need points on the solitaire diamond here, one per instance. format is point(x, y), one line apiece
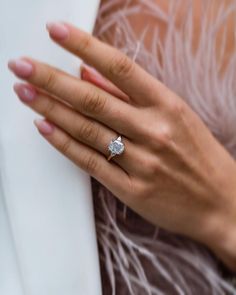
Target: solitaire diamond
point(116, 147)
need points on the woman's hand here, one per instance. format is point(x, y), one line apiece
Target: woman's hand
point(173, 172)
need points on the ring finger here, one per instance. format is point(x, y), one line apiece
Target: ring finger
point(80, 127)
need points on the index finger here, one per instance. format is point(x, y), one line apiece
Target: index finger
point(109, 61)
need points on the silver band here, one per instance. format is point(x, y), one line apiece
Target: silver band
point(116, 147)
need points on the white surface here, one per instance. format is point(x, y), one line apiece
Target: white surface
point(48, 244)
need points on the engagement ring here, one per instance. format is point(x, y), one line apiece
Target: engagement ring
point(116, 147)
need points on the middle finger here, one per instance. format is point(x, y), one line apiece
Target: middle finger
point(81, 128)
point(83, 96)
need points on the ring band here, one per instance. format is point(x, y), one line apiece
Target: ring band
point(116, 147)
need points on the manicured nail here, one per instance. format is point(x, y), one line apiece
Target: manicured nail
point(25, 92)
point(88, 69)
point(44, 127)
point(88, 72)
point(20, 67)
point(57, 30)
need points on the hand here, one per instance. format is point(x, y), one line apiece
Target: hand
point(173, 172)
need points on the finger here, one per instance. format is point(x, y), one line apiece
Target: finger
point(87, 131)
point(91, 75)
point(83, 96)
point(110, 62)
point(108, 173)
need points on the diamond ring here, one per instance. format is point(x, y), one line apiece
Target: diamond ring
point(116, 147)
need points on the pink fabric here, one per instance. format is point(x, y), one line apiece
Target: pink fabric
point(137, 258)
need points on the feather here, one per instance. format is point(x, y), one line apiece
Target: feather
point(136, 257)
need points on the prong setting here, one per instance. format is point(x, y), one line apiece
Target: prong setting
point(116, 147)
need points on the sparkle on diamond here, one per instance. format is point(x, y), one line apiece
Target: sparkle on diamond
point(116, 147)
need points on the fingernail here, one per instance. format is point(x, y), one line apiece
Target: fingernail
point(84, 73)
point(57, 30)
point(88, 72)
point(20, 67)
point(44, 126)
point(25, 92)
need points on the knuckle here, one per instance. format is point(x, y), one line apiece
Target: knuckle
point(49, 108)
point(177, 109)
point(160, 137)
point(164, 138)
point(152, 167)
point(50, 80)
point(89, 131)
point(91, 164)
point(121, 66)
point(141, 192)
point(93, 103)
point(85, 43)
point(65, 146)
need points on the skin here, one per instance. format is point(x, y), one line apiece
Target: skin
point(200, 8)
point(173, 171)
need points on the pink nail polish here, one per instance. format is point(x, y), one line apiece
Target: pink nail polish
point(21, 68)
point(57, 30)
point(25, 92)
point(44, 127)
point(90, 74)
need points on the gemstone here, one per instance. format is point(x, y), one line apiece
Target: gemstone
point(116, 147)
